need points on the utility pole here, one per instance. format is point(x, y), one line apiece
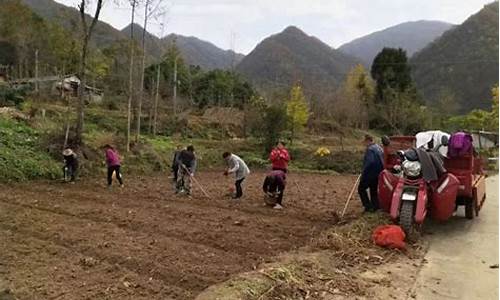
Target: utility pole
point(155, 113)
point(175, 85)
point(36, 71)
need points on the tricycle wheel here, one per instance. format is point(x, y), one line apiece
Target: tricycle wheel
point(406, 216)
point(469, 209)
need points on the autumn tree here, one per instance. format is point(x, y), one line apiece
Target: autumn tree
point(355, 99)
point(297, 111)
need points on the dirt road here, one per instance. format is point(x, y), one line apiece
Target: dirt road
point(62, 241)
point(461, 256)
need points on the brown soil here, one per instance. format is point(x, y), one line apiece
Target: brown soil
point(82, 241)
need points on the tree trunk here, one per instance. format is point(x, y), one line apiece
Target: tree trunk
point(155, 114)
point(80, 111)
point(131, 76)
point(141, 93)
point(86, 34)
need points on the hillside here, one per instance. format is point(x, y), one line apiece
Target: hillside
point(69, 18)
point(195, 51)
point(293, 56)
point(202, 53)
point(153, 43)
point(464, 62)
point(411, 36)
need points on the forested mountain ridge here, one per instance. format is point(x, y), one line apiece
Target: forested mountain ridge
point(292, 56)
point(69, 18)
point(195, 51)
point(410, 36)
point(461, 64)
point(202, 53)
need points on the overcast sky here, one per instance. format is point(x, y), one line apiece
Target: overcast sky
point(242, 24)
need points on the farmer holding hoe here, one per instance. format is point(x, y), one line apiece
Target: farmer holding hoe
point(240, 169)
point(373, 164)
point(70, 164)
point(186, 162)
point(113, 162)
point(274, 187)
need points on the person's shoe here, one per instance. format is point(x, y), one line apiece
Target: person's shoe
point(122, 185)
point(277, 206)
point(234, 197)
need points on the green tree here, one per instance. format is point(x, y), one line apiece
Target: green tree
point(297, 111)
point(493, 118)
point(390, 69)
point(477, 119)
point(274, 123)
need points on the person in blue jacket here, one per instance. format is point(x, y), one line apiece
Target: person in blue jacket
point(373, 164)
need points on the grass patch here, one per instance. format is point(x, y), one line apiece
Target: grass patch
point(21, 158)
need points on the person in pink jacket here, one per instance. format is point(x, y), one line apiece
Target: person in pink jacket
point(113, 162)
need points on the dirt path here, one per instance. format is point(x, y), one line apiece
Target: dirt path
point(460, 255)
point(62, 241)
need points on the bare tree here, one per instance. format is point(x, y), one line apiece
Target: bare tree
point(151, 9)
point(133, 3)
point(143, 66)
point(86, 35)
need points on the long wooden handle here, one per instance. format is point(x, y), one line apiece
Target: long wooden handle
point(197, 183)
point(350, 196)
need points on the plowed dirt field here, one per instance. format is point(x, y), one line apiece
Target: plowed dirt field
point(83, 241)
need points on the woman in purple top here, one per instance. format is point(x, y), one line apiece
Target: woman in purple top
point(113, 163)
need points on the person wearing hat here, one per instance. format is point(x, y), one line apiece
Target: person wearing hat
point(70, 164)
point(373, 164)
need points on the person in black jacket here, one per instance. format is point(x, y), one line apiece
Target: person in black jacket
point(175, 165)
point(274, 186)
point(373, 164)
point(70, 164)
point(186, 162)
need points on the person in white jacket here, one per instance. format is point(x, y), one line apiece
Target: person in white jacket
point(240, 169)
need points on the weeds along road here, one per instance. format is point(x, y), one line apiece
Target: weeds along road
point(461, 255)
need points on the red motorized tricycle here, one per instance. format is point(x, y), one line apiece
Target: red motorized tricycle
point(409, 198)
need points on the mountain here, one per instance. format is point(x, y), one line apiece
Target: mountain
point(411, 36)
point(293, 56)
point(69, 17)
point(202, 53)
point(195, 51)
point(463, 62)
point(154, 46)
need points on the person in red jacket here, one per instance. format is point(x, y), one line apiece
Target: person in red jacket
point(279, 157)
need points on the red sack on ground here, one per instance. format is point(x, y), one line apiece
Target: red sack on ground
point(389, 236)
